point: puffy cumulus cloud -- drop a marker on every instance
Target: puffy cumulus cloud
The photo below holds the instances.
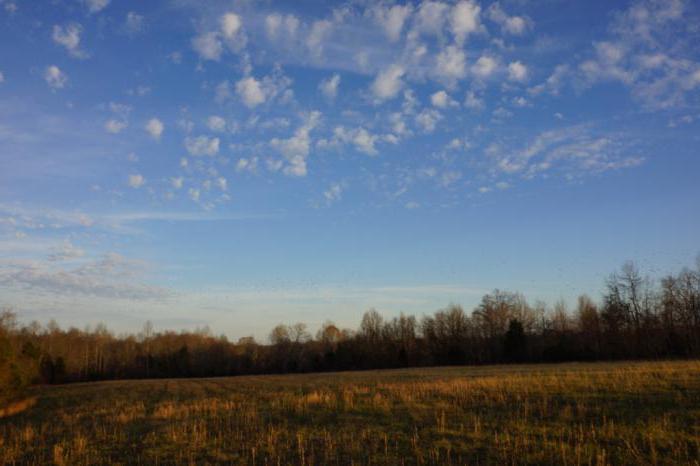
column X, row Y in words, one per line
column 388, row 83
column 514, row 25
column 517, row 71
column 208, row 45
column 329, row 86
column 155, row 128
column 428, row 119
column 202, row 145
column 430, row 18
column 451, row 65
column 392, row 19
column 277, row 25
column 216, row 123
column 645, row 52
column 473, row 101
column 115, row 126
column 250, row 91
column 136, row 180
column 360, row 138
column 464, row 20
column 296, row 148
column 54, row 77
column 69, row 37
column 231, row 25
column 95, row 6
column 484, row 67
column 398, row 124
column 254, row 92
column 442, row 99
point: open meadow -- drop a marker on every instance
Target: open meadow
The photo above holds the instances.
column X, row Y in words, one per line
column 597, row 413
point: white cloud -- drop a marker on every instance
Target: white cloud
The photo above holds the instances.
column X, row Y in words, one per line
column 230, row 25
column 134, row 23
column 485, row 66
column 194, row 194
column 451, row 64
column 646, row 52
column 317, row 36
column 464, row 20
column 55, row 78
column 517, row 71
column 514, row 25
column 177, row 183
column 388, row 83
column 329, row 86
column 69, row 37
column 441, row 99
column 296, row 148
column 250, row 91
column 115, row 126
column 136, row 180
column 275, row 24
column 431, row 17
column 553, row 83
column 112, row 276
column 471, row 100
column 202, row 145
column 247, row 165
column 428, row 119
column 520, row 101
column 216, row 123
column 392, row 19
column 574, row 152
column 95, row 6
column 362, row 139
column 208, row 45
column 333, row 194
column 155, row 128
column 272, row 25
column 2, row 77
column 222, row 183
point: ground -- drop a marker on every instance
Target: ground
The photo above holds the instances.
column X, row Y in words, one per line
column 598, row 413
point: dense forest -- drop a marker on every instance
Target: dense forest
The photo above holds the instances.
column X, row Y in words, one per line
column 637, row 317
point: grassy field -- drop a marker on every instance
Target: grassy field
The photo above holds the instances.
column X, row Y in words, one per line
column 617, row 413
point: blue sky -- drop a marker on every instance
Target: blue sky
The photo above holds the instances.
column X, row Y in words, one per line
column 241, row 164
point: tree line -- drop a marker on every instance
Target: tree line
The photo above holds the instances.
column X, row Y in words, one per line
column 637, row 317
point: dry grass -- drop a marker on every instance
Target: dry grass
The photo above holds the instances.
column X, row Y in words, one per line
column 631, row 413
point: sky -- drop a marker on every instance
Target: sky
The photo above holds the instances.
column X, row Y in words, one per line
column 237, row 164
